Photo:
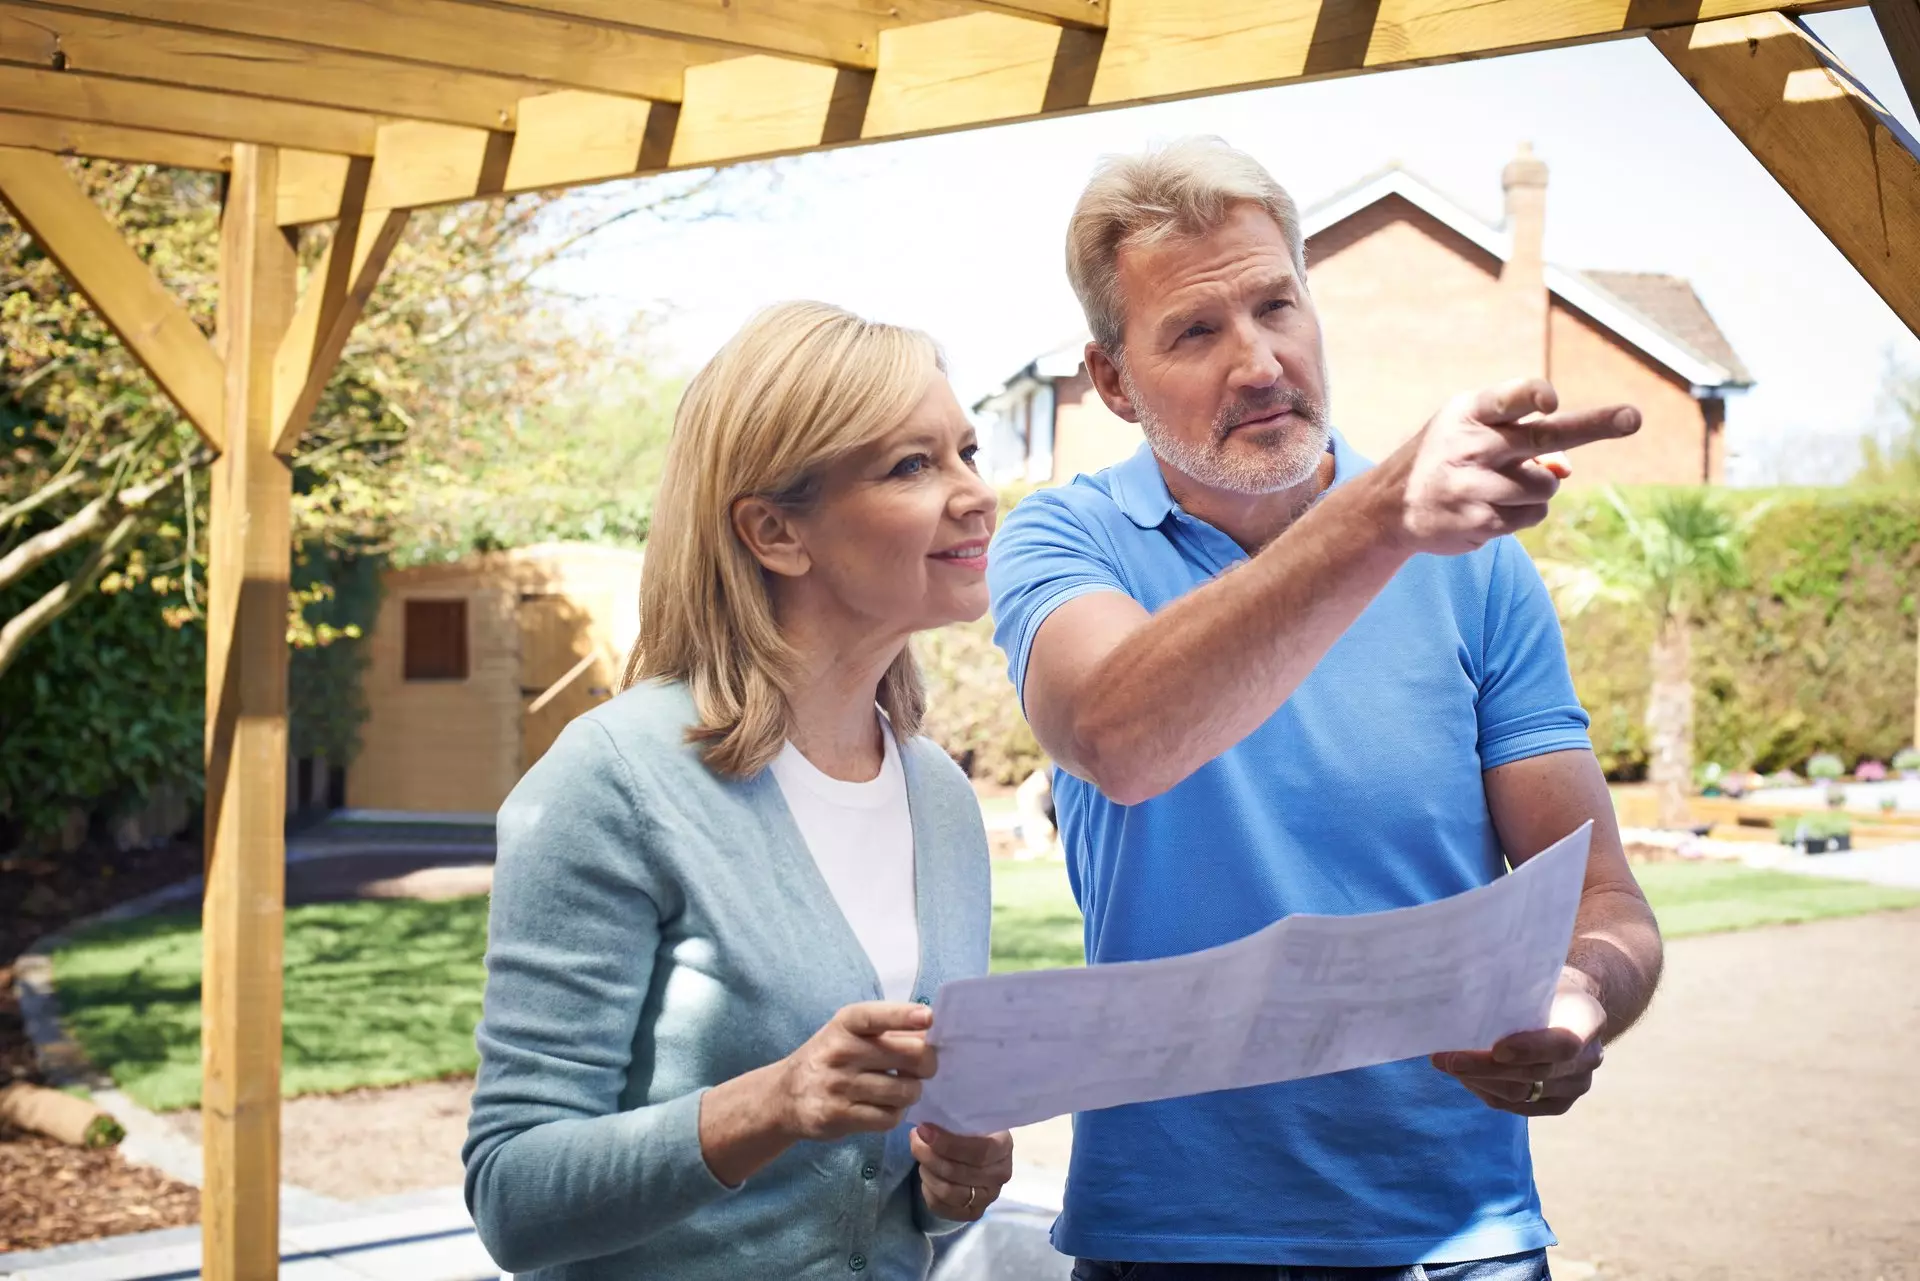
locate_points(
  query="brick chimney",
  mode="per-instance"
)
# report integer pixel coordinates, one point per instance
(1523, 277)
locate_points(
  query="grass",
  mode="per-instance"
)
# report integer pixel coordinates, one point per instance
(377, 993)
(388, 991)
(1712, 898)
(1035, 923)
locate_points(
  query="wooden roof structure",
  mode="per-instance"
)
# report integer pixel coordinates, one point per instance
(359, 111)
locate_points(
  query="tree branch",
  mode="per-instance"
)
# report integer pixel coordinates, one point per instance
(22, 626)
(82, 524)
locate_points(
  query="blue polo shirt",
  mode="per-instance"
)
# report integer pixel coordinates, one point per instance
(1363, 792)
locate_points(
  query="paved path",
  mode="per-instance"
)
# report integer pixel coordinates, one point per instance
(1761, 1122)
(1896, 865)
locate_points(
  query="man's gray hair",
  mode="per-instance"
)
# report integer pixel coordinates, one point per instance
(1188, 187)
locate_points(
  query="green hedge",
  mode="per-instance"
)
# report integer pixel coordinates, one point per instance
(1817, 654)
(108, 704)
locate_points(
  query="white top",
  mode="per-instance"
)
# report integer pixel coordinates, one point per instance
(861, 836)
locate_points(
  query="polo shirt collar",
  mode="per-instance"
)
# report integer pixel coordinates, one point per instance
(1140, 489)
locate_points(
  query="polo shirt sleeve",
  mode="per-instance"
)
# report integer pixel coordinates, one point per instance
(1043, 557)
(1526, 705)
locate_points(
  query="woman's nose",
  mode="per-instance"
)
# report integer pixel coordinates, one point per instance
(973, 494)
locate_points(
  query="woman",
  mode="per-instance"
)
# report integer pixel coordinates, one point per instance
(724, 899)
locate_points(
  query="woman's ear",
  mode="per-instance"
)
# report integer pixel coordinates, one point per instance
(767, 531)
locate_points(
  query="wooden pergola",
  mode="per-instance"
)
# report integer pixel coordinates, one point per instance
(357, 112)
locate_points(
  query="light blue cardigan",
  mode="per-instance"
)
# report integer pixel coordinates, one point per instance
(655, 930)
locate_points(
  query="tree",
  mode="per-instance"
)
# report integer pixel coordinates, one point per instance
(447, 400)
(1668, 554)
(1893, 458)
(461, 347)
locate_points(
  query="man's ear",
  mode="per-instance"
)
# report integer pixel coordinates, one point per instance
(1106, 380)
(767, 531)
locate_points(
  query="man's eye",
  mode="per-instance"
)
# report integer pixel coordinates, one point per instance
(1275, 304)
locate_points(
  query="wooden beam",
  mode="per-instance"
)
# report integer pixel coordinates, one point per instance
(985, 66)
(331, 304)
(164, 108)
(1841, 156)
(89, 249)
(493, 39)
(766, 106)
(982, 68)
(1899, 22)
(36, 36)
(109, 142)
(1160, 49)
(249, 565)
(842, 32)
(564, 138)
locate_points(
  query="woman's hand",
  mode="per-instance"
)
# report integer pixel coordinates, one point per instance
(860, 1072)
(961, 1174)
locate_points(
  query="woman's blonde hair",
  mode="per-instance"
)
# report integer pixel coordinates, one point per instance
(801, 386)
(1188, 187)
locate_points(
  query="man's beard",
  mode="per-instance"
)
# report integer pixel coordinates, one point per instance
(1286, 460)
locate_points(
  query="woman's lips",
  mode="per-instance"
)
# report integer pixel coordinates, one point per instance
(965, 556)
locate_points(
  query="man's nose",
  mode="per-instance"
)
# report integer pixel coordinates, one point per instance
(1255, 365)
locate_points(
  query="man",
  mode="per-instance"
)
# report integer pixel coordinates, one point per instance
(1277, 679)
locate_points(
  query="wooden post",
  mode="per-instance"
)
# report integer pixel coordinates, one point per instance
(250, 558)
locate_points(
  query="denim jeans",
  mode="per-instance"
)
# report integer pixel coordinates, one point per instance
(1531, 1266)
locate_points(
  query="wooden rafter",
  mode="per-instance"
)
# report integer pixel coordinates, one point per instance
(111, 142)
(128, 104)
(482, 38)
(36, 36)
(1841, 156)
(141, 310)
(981, 68)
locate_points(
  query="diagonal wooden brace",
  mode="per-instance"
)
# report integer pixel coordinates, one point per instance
(330, 306)
(1838, 152)
(104, 268)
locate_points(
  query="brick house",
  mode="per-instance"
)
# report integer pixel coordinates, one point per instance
(1420, 299)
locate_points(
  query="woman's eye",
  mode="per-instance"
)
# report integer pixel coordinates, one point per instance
(1195, 331)
(911, 466)
(969, 454)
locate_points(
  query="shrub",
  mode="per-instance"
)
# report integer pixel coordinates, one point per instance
(1818, 653)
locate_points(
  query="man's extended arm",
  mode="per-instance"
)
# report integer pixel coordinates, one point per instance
(1135, 703)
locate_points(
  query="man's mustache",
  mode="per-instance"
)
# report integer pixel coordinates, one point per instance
(1264, 404)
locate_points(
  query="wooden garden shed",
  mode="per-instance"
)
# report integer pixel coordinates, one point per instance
(474, 666)
(357, 112)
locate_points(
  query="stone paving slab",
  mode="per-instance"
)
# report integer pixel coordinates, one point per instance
(417, 1237)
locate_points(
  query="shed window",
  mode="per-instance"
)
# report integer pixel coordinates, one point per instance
(436, 640)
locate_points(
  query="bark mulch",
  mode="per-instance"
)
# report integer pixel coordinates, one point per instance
(51, 1194)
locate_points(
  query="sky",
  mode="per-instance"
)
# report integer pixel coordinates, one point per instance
(962, 234)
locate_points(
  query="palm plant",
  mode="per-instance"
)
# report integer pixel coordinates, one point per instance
(1668, 553)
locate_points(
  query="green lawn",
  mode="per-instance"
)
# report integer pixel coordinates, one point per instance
(387, 991)
(377, 993)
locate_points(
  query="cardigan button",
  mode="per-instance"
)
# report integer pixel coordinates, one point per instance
(921, 1000)
(858, 1263)
(869, 1171)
